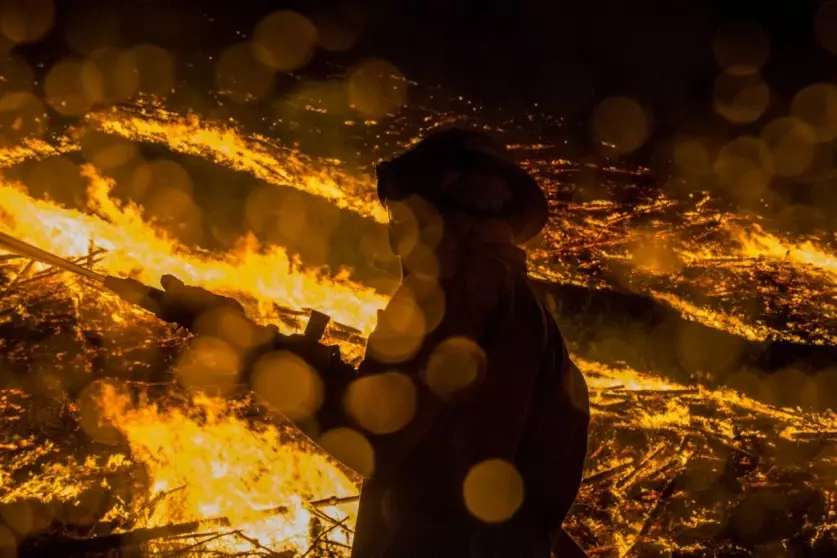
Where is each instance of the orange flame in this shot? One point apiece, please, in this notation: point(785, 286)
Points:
point(221, 466)
point(137, 249)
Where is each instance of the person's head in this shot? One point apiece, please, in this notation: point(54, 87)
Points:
point(456, 172)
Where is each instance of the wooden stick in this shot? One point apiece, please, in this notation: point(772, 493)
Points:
point(334, 500)
point(322, 536)
point(16, 278)
point(62, 547)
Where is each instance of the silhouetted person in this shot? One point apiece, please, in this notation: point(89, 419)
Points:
point(478, 362)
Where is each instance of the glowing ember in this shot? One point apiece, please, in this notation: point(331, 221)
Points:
point(137, 249)
point(703, 250)
point(250, 483)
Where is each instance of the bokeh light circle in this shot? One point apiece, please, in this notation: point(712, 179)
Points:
point(741, 48)
point(620, 123)
point(493, 490)
point(740, 98)
point(26, 21)
point(284, 40)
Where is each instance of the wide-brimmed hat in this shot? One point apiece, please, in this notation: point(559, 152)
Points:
point(425, 170)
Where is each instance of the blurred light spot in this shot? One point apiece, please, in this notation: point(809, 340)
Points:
point(691, 157)
point(311, 97)
point(155, 67)
point(702, 473)
point(174, 210)
point(783, 388)
point(653, 254)
point(288, 384)
point(740, 99)
point(821, 165)
point(58, 177)
point(825, 26)
point(427, 292)
point(493, 490)
point(284, 40)
point(8, 541)
point(119, 73)
point(231, 326)
point(791, 142)
point(744, 167)
point(19, 517)
point(750, 516)
point(208, 364)
point(350, 448)
point(72, 87)
point(106, 151)
point(801, 218)
point(417, 227)
point(382, 403)
point(821, 393)
point(261, 209)
point(375, 249)
point(290, 219)
point(140, 181)
point(22, 115)
point(336, 35)
point(817, 105)
point(167, 196)
point(690, 348)
point(376, 88)
point(611, 342)
point(293, 215)
point(26, 21)
point(241, 76)
point(17, 75)
point(751, 149)
point(165, 173)
point(455, 364)
point(620, 123)
point(92, 403)
point(745, 382)
point(741, 48)
point(403, 227)
point(90, 29)
point(421, 261)
point(401, 329)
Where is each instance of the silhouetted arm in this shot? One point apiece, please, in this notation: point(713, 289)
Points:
point(473, 302)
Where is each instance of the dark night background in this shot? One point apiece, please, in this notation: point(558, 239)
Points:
point(563, 55)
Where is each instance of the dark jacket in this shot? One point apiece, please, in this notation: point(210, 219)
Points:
point(529, 407)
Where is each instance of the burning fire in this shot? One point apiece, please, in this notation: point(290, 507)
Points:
point(206, 462)
point(697, 244)
point(203, 462)
point(134, 248)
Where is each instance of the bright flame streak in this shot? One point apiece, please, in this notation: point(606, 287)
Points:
point(756, 242)
point(745, 241)
point(601, 376)
point(34, 149)
point(716, 319)
point(135, 248)
point(602, 379)
point(255, 155)
point(222, 466)
point(181, 450)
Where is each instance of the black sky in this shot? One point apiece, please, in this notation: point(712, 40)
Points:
point(563, 55)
